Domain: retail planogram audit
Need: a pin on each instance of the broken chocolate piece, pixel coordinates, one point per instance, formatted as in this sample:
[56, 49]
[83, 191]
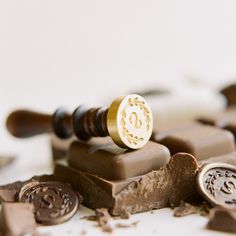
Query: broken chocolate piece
[225, 120]
[113, 163]
[156, 189]
[230, 93]
[17, 219]
[54, 202]
[216, 182]
[222, 219]
[202, 141]
[185, 209]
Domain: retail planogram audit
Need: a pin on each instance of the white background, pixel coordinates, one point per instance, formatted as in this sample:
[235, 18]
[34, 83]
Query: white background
[70, 52]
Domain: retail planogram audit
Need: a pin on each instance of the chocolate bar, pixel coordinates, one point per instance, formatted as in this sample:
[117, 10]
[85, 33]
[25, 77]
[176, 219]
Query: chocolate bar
[202, 141]
[104, 159]
[225, 120]
[229, 158]
[60, 147]
[156, 189]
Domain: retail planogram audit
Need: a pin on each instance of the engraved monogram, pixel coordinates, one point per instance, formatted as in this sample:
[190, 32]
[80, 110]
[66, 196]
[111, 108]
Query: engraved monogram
[135, 120]
[51, 201]
[222, 185]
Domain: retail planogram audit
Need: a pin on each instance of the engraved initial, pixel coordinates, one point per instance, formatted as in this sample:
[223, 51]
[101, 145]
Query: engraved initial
[47, 201]
[134, 119]
[228, 187]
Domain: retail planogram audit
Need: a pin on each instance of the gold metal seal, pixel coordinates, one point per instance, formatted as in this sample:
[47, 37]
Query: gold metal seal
[130, 121]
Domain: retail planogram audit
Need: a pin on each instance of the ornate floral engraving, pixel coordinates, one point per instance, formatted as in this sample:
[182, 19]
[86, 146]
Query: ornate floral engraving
[134, 139]
[213, 177]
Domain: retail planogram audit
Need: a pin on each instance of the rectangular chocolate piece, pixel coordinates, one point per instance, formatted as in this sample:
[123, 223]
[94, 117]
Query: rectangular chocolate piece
[156, 189]
[202, 141]
[229, 158]
[225, 120]
[17, 219]
[60, 147]
[108, 161]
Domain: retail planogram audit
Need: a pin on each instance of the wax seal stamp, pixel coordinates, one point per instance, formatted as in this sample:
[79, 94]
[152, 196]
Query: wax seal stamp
[217, 183]
[54, 202]
[128, 121]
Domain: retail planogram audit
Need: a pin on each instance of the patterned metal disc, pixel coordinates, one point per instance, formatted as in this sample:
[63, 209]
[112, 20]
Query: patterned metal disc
[217, 184]
[130, 121]
[54, 202]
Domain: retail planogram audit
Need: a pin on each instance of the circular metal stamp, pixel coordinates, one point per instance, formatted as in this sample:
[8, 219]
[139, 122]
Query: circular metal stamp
[54, 202]
[216, 182]
[130, 121]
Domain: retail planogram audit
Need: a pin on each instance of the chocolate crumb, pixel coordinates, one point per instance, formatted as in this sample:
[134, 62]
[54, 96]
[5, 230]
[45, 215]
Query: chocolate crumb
[122, 225]
[104, 219]
[83, 232]
[222, 219]
[90, 218]
[185, 209]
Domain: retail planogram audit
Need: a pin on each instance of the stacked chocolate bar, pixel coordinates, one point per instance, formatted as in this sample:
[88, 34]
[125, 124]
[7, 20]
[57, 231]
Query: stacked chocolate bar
[160, 174]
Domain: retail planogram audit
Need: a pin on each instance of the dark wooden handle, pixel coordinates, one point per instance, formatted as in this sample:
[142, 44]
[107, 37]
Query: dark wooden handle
[25, 123]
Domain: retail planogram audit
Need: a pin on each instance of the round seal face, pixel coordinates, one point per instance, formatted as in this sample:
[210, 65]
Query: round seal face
[54, 202]
[217, 183]
[130, 121]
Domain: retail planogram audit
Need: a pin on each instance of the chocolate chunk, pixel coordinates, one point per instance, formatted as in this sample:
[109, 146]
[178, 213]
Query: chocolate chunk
[17, 219]
[165, 130]
[113, 163]
[202, 141]
[225, 120]
[229, 158]
[230, 93]
[185, 209]
[222, 219]
[156, 189]
[54, 202]
[60, 147]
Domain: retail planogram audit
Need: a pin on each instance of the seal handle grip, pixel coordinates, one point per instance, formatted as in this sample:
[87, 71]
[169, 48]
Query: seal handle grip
[26, 123]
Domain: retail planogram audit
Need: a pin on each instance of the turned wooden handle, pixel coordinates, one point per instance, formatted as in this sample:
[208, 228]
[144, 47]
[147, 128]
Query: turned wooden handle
[26, 123]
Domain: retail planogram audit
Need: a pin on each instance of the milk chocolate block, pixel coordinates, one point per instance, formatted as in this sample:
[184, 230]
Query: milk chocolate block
[229, 158]
[230, 94]
[225, 120]
[109, 161]
[202, 141]
[164, 131]
[17, 219]
[60, 147]
[156, 189]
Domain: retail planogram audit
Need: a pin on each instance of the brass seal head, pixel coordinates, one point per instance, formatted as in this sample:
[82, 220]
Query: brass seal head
[130, 121]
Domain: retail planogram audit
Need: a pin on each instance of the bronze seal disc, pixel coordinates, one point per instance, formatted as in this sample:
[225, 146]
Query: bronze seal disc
[54, 202]
[216, 182]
